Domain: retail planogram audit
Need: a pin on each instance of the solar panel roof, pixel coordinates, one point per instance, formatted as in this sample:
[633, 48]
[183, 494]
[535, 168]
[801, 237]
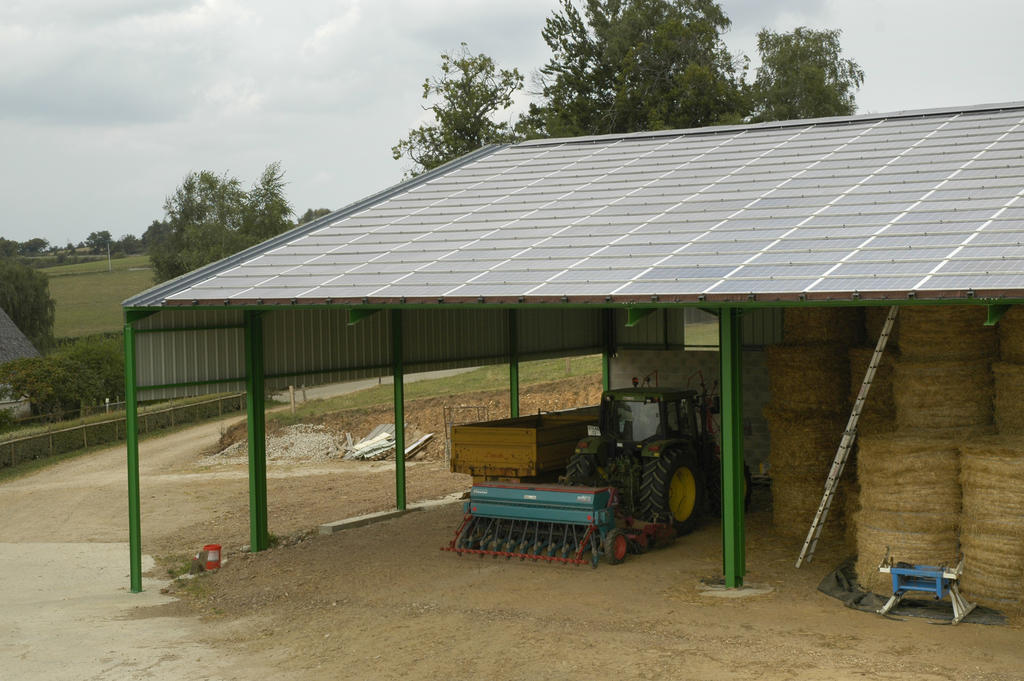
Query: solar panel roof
[923, 204]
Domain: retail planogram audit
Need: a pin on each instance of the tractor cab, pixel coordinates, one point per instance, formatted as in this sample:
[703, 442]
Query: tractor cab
[632, 418]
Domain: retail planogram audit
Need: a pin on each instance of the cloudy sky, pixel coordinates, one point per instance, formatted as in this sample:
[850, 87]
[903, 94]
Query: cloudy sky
[105, 105]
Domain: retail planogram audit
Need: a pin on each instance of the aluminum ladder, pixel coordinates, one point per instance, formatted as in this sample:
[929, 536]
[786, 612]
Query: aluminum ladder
[846, 444]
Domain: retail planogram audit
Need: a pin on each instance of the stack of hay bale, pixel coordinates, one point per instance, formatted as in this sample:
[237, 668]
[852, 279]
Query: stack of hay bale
[992, 475]
[810, 376]
[942, 393]
[992, 532]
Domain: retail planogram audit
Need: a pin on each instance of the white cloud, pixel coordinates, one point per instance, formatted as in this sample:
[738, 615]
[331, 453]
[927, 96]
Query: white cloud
[107, 104]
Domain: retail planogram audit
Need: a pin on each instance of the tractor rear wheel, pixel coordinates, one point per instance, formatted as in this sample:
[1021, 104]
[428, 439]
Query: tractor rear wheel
[581, 469]
[672, 490]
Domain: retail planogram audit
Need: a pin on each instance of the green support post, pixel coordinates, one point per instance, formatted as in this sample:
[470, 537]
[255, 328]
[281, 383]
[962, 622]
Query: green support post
[513, 364]
[733, 540]
[608, 343]
[132, 442]
[399, 379]
[259, 533]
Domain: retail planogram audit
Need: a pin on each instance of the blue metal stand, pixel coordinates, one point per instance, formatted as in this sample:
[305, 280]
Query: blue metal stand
[927, 579]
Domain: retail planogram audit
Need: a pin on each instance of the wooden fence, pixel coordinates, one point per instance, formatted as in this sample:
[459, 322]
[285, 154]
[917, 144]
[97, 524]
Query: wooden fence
[61, 440]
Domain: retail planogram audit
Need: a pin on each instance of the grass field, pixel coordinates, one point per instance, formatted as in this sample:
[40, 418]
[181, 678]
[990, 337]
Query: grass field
[89, 297]
[484, 378]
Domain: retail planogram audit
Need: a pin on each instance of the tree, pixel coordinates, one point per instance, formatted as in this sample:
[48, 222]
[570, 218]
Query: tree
[633, 65]
[81, 373]
[8, 248]
[157, 232]
[42, 380]
[267, 211]
[210, 217]
[34, 246]
[312, 214]
[803, 75]
[469, 92]
[129, 244]
[25, 297]
[98, 241]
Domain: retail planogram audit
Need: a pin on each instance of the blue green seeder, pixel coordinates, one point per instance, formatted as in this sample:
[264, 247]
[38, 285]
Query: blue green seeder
[557, 523]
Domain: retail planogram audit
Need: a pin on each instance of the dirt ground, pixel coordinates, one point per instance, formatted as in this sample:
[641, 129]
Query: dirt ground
[383, 602]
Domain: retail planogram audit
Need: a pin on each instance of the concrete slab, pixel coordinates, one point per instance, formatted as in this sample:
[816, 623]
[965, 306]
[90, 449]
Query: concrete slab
[360, 520]
[721, 591]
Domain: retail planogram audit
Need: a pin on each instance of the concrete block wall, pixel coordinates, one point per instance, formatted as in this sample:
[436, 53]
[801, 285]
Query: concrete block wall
[682, 369]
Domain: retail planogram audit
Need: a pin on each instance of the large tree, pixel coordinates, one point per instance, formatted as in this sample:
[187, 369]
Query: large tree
[25, 297]
[631, 65]
[467, 95]
[210, 217]
[312, 214]
[803, 75]
[98, 241]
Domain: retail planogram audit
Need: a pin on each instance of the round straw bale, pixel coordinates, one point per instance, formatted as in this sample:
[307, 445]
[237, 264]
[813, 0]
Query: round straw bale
[947, 332]
[1009, 401]
[873, 423]
[993, 521]
[851, 506]
[798, 437]
[901, 474]
[943, 394]
[808, 377]
[993, 570]
[823, 325]
[1011, 335]
[874, 320]
[795, 500]
[907, 537]
[879, 398]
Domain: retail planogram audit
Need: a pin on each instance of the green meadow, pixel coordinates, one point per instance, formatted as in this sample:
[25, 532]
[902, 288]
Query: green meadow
[89, 296]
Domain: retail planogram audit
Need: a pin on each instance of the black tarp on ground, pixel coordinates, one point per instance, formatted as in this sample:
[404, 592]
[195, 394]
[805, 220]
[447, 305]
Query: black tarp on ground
[841, 584]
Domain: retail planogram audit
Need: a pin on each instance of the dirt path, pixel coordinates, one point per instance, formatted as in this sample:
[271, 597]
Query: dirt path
[382, 602]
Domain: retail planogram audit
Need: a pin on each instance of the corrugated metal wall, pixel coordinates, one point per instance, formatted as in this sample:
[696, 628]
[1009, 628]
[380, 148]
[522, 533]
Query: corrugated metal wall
[194, 352]
[206, 348]
[676, 327]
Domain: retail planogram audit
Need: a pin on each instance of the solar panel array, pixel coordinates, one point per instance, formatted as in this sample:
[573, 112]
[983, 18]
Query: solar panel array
[929, 203]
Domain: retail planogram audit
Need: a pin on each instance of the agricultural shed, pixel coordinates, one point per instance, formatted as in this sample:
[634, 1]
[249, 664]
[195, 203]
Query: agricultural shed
[594, 244]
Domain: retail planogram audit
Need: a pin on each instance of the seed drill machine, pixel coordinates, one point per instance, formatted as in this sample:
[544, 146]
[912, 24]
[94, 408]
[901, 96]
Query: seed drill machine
[645, 473]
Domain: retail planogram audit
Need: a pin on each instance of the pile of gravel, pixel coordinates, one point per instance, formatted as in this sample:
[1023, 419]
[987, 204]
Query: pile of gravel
[301, 442]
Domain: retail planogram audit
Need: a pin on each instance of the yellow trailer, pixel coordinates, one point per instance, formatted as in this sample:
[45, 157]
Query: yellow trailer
[511, 450]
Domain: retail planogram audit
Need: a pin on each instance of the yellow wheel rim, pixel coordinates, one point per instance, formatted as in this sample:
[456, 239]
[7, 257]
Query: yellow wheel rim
[682, 494]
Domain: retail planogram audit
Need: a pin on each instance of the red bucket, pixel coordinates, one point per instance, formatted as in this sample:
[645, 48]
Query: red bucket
[212, 556]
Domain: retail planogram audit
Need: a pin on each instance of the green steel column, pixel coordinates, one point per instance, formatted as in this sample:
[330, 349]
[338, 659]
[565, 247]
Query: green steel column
[259, 533]
[733, 540]
[399, 376]
[132, 441]
[513, 364]
[608, 342]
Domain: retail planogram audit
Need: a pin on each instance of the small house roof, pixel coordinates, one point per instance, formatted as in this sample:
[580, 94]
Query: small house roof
[13, 343]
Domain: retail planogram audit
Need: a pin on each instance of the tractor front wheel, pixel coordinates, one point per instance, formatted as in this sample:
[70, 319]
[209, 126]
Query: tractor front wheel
[672, 490]
[616, 546]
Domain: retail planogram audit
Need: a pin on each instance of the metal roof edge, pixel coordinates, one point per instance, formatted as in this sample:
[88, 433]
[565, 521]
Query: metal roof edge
[773, 125]
[157, 294]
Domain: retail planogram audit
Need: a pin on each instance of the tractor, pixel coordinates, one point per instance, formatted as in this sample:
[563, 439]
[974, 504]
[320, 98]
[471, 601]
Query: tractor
[645, 473]
[653, 445]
